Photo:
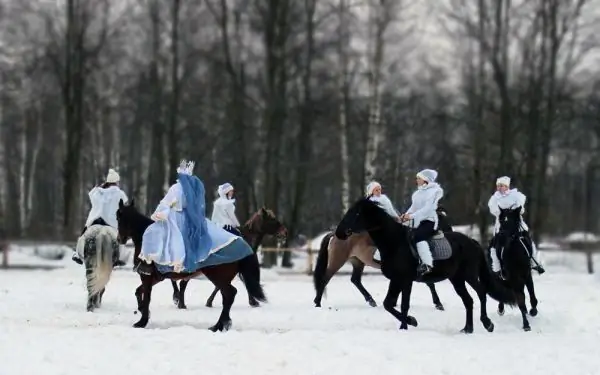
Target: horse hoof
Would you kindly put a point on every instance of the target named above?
(317, 305)
(439, 306)
(467, 330)
(221, 326)
(490, 327)
(181, 307)
(533, 312)
(140, 324)
(176, 301)
(208, 305)
(372, 303)
(411, 321)
(253, 303)
(526, 329)
(404, 326)
(500, 312)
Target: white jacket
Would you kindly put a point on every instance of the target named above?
(424, 204)
(512, 199)
(386, 204)
(105, 203)
(224, 212)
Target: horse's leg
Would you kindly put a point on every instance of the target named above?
(461, 289)
(522, 307)
(222, 276)
(434, 296)
(211, 298)
(481, 293)
(356, 279)
(389, 303)
(182, 287)
(139, 294)
(176, 293)
(99, 298)
(147, 283)
(336, 259)
(532, 297)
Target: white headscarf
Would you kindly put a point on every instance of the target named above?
(372, 186)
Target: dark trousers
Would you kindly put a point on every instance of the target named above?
(424, 231)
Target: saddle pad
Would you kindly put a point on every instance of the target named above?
(440, 248)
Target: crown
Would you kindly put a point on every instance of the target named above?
(186, 167)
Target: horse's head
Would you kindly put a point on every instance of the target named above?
(510, 220)
(362, 216)
(126, 215)
(265, 222)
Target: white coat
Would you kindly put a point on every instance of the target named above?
(105, 203)
(424, 204)
(224, 211)
(385, 203)
(511, 199)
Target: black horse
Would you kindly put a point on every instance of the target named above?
(467, 264)
(514, 252)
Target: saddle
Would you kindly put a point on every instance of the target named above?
(438, 244)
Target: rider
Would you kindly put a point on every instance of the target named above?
(224, 210)
(504, 198)
(423, 214)
(374, 192)
(105, 203)
(181, 236)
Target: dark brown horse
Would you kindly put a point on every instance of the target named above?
(133, 224)
(263, 222)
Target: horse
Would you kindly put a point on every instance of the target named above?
(515, 256)
(263, 222)
(466, 264)
(100, 248)
(133, 224)
(359, 248)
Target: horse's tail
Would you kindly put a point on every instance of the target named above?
(102, 264)
(322, 261)
(249, 269)
(494, 286)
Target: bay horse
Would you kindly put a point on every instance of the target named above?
(359, 249)
(261, 223)
(514, 253)
(466, 264)
(133, 224)
(99, 248)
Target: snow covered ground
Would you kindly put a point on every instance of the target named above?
(44, 329)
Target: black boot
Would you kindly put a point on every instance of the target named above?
(144, 268)
(539, 269)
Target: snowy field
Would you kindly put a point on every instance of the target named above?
(45, 330)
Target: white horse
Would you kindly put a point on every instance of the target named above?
(99, 248)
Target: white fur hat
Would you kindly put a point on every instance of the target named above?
(428, 175)
(112, 177)
(372, 186)
(225, 188)
(504, 180)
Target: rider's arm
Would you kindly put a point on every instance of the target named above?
(521, 200)
(493, 205)
(388, 206)
(429, 208)
(94, 193)
(230, 212)
(124, 197)
(167, 203)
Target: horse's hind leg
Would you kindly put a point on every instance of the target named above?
(176, 293)
(463, 293)
(211, 298)
(91, 299)
(356, 279)
(532, 297)
(146, 288)
(434, 296)
(523, 308)
(228, 291)
(182, 287)
(99, 298)
(482, 295)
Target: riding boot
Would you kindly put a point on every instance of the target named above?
(144, 268)
(426, 258)
(75, 258)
